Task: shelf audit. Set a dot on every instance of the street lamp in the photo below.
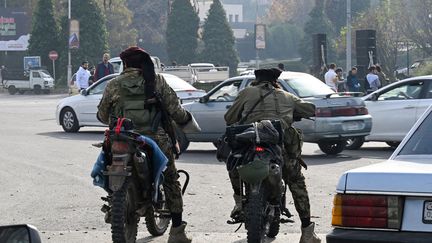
(69, 66)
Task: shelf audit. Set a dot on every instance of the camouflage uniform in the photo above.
(109, 106)
(279, 105)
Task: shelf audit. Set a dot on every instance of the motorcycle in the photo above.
(257, 156)
(134, 183)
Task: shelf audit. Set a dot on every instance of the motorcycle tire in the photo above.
(255, 217)
(124, 219)
(156, 223)
(272, 228)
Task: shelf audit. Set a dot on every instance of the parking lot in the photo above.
(45, 179)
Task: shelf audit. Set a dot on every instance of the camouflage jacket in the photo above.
(109, 104)
(278, 105)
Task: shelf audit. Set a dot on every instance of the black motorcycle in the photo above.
(257, 156)
(134, 182)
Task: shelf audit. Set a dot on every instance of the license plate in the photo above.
(351, 126)
(427, 212)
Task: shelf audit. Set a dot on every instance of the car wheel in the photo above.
(12, 90)
(354, 143)
(393, 144)
(332, 147)
(69, 121)
(37, 89)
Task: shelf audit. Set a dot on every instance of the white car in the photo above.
(80, 110)
(389, 201)
(394, 110)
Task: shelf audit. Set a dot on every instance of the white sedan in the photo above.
(78, 111)
(389, 201)
(394, 110)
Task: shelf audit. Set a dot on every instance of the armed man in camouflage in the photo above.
(283, 106)
(130, 95)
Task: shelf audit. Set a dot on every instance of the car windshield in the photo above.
(421, 140)
(45, 74)
(308, 86)
(178, 84)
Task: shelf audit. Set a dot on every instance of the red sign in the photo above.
(53, 55)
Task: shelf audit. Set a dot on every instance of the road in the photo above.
(44, 179)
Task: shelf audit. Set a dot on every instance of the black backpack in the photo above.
(366, 84)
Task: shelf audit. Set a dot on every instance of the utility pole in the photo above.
(348, 38)
(256, 22)
(69, 66)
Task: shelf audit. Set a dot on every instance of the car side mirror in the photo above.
(19, 233)
(84, 92)
(204, 99)
(374, 97)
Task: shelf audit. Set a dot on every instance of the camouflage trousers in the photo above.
(171, 183)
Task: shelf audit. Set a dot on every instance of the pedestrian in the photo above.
(331, 78)
(341, 86)
(382, 76)
(372, 80)
(353, 84)
(3, 73)
(139, 84)
(104, 68)
(279, 105)
(281, 66)
(92, 79)
(82, 76)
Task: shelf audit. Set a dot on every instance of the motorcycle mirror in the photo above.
(24, 233)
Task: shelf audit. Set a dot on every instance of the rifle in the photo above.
(167, 123)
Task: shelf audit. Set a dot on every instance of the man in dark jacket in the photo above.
(104, 68)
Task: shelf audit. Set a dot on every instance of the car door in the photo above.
(36, 79)
(394, 110)
(426, 98)
(87, 108)
(210, 114)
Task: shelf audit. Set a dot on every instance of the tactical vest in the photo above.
(134, 104)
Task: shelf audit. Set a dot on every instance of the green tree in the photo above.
(219, 41)
(318, 23)
(44, 33)
(182, 32)
(283, 41)
(336, 11)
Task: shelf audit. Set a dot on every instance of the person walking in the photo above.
(82, 76)
(104, 68)
(382, 76)
(353, 84)
(280, 105)
(123, 97)
(330, 77)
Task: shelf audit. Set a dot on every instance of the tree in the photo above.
(336, 11)
(283, 41)
(121, 34)
(219, 41)
(45, 32)
(150, 20)
(318, 23)
(182, 32)
(289, 11)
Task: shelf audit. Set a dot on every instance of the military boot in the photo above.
(237, 207)
(178, 235)
(308, 235)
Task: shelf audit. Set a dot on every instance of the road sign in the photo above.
(53, 55)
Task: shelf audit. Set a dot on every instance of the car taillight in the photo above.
(341, 111)
(367, 211)
(259, 149)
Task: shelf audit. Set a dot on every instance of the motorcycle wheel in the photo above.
(272, 228)
(157, 224)
(255, 217)
(124, 220)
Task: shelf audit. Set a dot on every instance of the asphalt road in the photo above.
(45, 179)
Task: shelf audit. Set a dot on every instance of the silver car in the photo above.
(336, 119)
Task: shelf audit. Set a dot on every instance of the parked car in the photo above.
(337, 117)
(394, 109)
(389, 201)
(78, 111)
